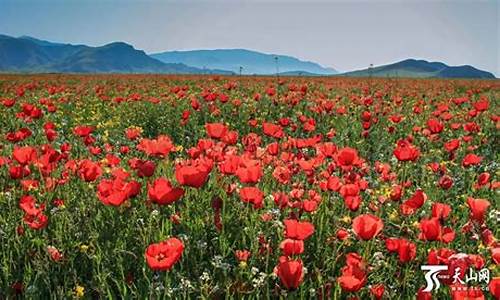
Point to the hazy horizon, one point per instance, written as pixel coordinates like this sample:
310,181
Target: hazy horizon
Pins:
342,35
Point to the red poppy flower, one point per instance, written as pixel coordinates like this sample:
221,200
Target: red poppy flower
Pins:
396,118
132,133
24,155
83,131
160,146
290,273
281,200
481,105
33,213
291,247
89,170
282,174
327,149
108,196
298,230
8,102
415,202
445,182
483,179
17,172
193,173
435,126
355,260
270,91
377,291
309,205
28,204
272,130
162,256
230,138
36,222
216,130
447,235
162,192
342,234
145,168
230,164
478,208
242,255
54,253
19,135
406,250
367,226
252,195
273,148
472,127
452,145
366,116
440,210
430,229
421,295
347,157
115,192
494,287
471,159
50,132
405,151
333,183
396,193
353,278
350,193
249,171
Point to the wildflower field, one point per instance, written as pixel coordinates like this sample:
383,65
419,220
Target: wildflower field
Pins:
157,187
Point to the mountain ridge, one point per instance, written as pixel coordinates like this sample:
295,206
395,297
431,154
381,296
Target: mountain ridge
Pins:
421,68
26,54
253,62
30,55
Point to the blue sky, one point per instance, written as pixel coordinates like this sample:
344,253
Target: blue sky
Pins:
345,35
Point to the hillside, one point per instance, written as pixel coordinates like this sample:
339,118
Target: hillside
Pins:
253,62
421,69
30,55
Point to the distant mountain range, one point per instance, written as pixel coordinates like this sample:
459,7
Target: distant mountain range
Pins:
421,69
252,62
30,55
27,54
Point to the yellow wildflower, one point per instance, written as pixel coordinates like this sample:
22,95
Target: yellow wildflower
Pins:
84,248
346,219
243,264
79,291
416,224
